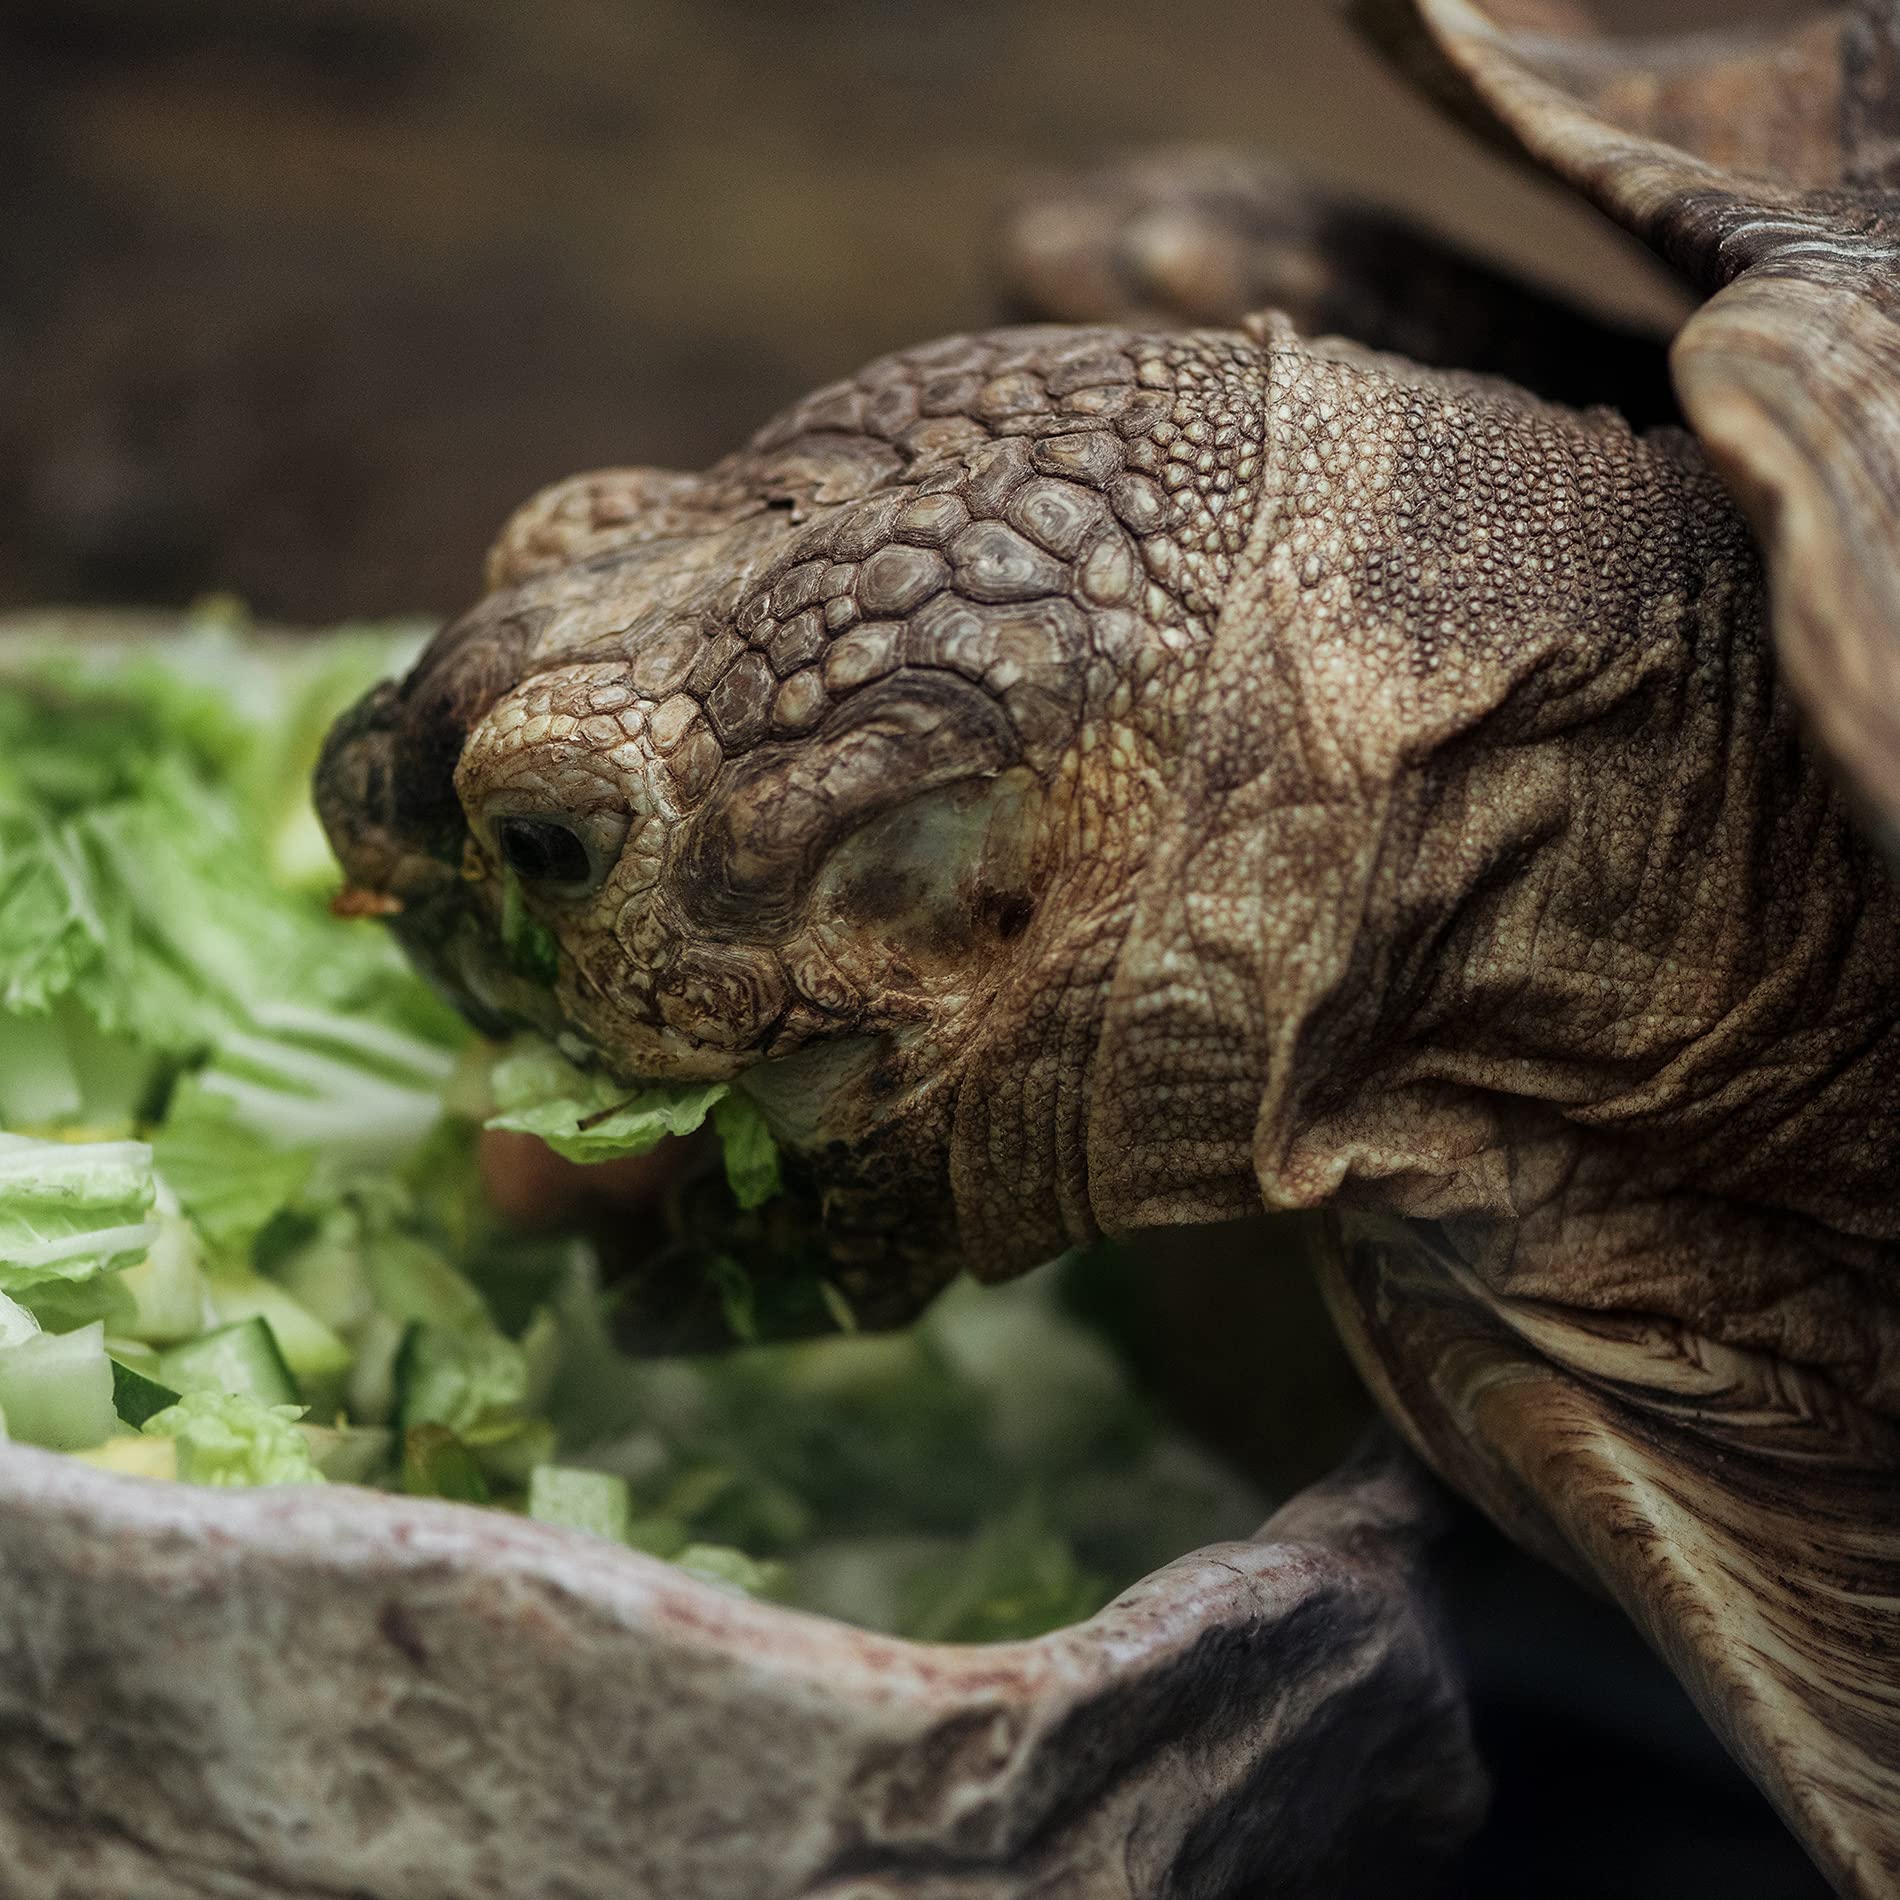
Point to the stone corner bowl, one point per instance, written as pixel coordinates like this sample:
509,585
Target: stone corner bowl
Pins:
314,1694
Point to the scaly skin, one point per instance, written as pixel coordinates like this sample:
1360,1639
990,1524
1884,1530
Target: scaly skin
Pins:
1080,779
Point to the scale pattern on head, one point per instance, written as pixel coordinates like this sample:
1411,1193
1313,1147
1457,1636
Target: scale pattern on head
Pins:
793,749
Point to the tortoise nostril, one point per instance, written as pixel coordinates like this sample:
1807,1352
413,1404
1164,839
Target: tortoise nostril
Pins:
351,786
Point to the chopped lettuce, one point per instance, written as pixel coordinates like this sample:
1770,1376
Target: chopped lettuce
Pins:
166,1290
732,1570
469,1378
56,1389
595,1501
1017,1577
231,1438
231,1179
71,1210
140,796
242,1152
437,1464
61,1071
585,1115
358,1091
751,1155
16,1323
530,944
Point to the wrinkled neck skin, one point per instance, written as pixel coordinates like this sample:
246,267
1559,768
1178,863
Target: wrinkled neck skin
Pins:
1493,886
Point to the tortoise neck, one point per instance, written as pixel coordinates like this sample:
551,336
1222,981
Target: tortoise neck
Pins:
1491,822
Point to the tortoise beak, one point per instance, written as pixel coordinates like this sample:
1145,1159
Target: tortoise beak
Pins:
386,799
355,795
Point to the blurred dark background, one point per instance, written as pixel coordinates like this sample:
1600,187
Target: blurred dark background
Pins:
299,297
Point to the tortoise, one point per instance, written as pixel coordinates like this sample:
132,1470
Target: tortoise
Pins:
1084,776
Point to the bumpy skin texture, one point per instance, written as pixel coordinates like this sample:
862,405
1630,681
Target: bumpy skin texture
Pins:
871,721
1184,765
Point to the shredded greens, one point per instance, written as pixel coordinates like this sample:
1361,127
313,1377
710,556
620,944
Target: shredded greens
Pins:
587,1116
72,1212
232,1438
242,1240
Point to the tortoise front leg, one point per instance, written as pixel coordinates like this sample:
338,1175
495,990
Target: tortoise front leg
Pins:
1201,236
1741,1509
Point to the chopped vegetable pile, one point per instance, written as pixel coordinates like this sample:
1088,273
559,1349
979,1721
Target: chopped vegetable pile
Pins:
242,1239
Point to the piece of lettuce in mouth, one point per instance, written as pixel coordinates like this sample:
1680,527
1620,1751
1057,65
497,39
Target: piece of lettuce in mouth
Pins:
586,1116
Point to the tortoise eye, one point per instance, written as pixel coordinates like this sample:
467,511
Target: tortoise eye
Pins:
540,851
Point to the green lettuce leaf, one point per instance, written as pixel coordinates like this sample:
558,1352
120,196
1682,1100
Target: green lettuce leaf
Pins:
16,1323
470,1378
63,1072
167,966
72,1210
48,929
139,798
361,1092
230,1438
530,944
751,1155
231,1179
732,1570
249,713
587,1116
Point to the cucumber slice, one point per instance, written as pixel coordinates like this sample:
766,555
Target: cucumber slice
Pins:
595,1501
135,1397
167,1287
244,1357
318,1360
56,1389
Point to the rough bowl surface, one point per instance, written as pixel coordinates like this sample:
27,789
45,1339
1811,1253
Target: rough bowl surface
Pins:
325,1693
